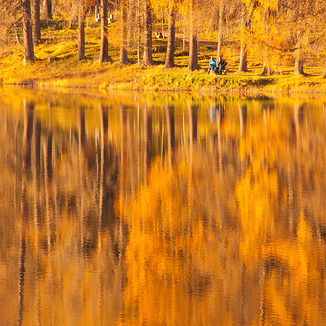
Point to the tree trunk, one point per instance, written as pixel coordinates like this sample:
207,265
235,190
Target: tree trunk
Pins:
123,40
138,33
243,65
147,59
81,31
36,22
184,39
104,51
220,30
131,22
193,55
47,9
169,62
298,53
324,74
298,65
267,70
27,27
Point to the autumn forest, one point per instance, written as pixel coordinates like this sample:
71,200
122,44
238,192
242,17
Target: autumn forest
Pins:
270,33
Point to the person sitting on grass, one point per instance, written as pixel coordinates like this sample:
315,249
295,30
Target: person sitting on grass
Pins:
221,66
212,66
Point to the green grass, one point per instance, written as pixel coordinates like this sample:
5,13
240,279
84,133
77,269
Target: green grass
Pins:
60,43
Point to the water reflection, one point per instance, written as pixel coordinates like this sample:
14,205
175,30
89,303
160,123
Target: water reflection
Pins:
171,211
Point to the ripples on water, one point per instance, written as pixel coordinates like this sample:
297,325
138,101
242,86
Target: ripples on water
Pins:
162,211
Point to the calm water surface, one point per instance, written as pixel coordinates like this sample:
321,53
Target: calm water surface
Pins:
143,210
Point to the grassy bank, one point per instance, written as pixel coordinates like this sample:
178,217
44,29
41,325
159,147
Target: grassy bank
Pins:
56,67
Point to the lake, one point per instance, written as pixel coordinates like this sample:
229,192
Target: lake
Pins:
143,209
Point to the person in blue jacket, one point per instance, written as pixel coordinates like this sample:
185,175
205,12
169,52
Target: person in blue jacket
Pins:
212,65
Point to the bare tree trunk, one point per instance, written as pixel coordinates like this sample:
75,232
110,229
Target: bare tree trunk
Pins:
267,70
138,33
81,31
27,27
47,9
123,40
148,59
17,36
36,22
220,30
299,61
193,55
298,53
184,39
104,51
169,62
131,22
243,65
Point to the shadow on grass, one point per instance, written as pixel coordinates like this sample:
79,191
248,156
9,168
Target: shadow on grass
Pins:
261,82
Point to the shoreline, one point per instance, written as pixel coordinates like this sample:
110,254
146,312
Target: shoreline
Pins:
110,77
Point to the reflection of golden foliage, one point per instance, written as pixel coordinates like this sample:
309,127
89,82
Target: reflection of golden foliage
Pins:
173,242
229,231
284,246
199,236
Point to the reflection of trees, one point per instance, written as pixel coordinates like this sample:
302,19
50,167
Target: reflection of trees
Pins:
218,224
169,112
147,137
60,201
176,253
28,128
223,238
280,213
